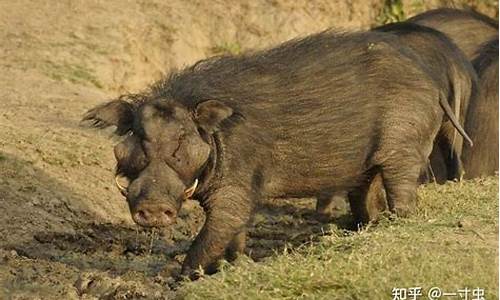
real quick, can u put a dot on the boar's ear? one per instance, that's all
(117, 113)
(211, 113)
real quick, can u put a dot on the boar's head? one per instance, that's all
(163, 153)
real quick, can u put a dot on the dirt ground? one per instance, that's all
(66, 231)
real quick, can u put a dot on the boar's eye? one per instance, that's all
(130, 157)
(137, 129)
(165, 112)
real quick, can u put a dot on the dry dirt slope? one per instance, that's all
(61, 213)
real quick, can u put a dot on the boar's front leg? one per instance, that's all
(236, 246)
(228, 214)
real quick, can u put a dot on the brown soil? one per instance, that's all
(66, 231)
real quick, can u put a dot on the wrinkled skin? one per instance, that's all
(292, 121)
(482, 116)
(163, 145)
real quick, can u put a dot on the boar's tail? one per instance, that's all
(464, 86)
(457, 94)
(447, 110)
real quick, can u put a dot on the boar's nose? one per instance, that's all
(154, 214)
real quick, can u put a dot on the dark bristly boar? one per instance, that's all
(454, 74)
(456, 79)
(482, 116)
(467, 29)
(312, 117)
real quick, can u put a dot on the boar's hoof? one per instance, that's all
(403, 211)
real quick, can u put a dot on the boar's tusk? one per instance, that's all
(122, 189)
(189, 192)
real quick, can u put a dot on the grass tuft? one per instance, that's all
(227, 48)
(391, 12)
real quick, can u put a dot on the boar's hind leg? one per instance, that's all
(368, 202)
(400, 182)
(228, 214)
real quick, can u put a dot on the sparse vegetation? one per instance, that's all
(72, 72)
(227, 48)
(392, 11)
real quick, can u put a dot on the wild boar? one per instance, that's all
(482, 116)
(310, 118)
(468, 30)
(456, 77)
(458, 82)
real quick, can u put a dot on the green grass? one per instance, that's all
(391, 12)
(451, 243)
(227, 48)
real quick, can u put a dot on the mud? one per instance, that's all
(110, 261)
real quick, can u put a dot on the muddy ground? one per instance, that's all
(66, 231)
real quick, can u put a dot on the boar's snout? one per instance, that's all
(154, 214)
